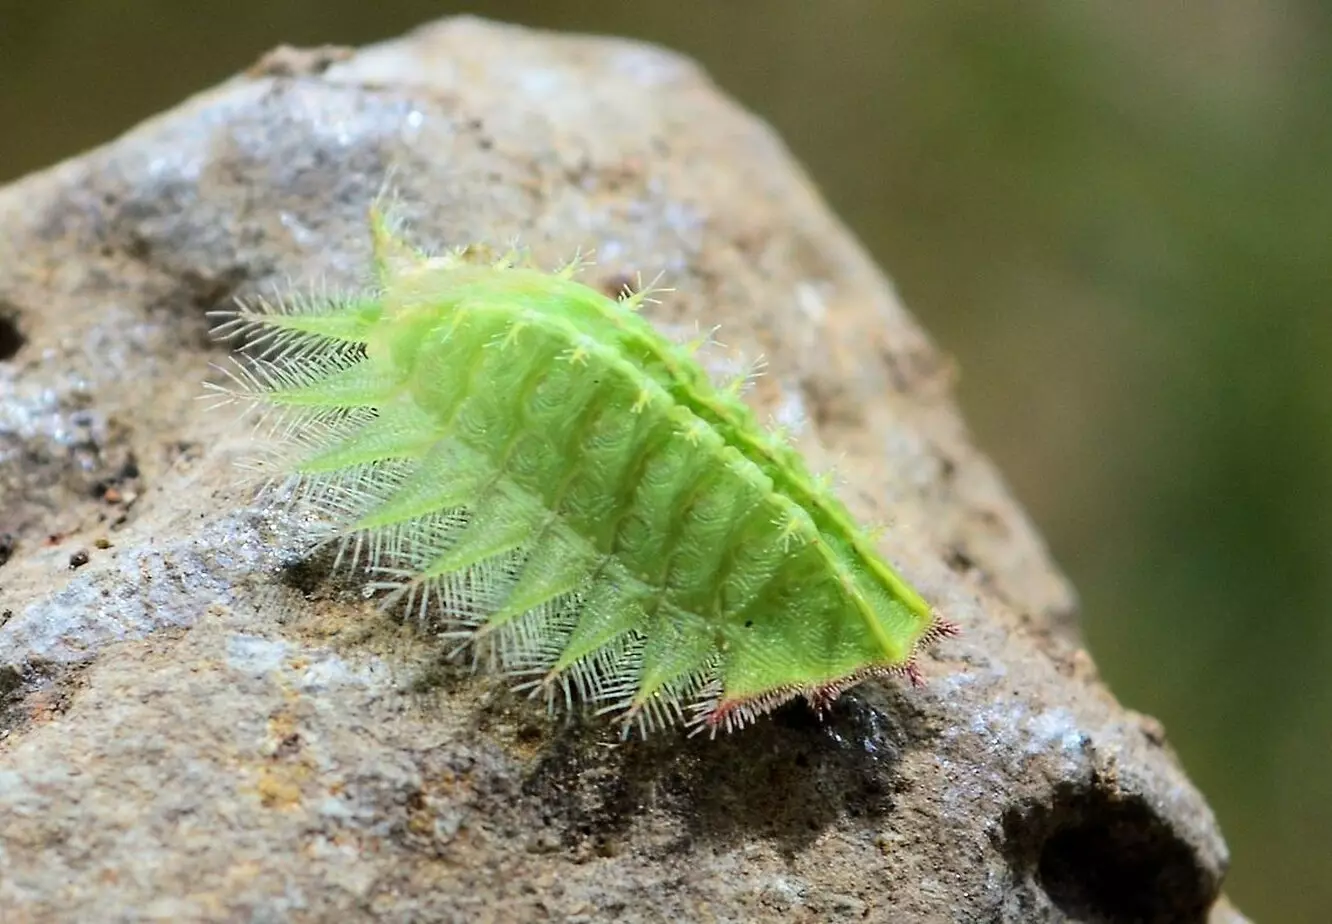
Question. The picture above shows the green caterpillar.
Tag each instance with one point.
(537, 471)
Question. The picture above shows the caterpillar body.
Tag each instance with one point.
(534, 469)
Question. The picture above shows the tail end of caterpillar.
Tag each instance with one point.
(719, 713)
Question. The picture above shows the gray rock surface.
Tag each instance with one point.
(198, 724)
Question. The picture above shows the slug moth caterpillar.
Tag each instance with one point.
(532, 468)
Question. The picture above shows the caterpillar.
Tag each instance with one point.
(533, 470)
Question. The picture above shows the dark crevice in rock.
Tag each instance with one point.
(210, 291)
(11, 338)
(1101, 856)
(51, 684)
(307, 574)
(11, 693)
(317, 574)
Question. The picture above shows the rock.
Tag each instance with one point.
(198, 724)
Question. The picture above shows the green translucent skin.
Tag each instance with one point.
(531, 462)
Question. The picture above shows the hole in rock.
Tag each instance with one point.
(11, 338)
(1104, 857)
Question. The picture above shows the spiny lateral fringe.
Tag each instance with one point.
(532, 472)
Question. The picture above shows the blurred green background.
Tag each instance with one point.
(1117, 216)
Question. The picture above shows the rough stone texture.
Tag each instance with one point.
(198, 725)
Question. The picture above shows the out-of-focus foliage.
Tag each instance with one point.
(1117, 216)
